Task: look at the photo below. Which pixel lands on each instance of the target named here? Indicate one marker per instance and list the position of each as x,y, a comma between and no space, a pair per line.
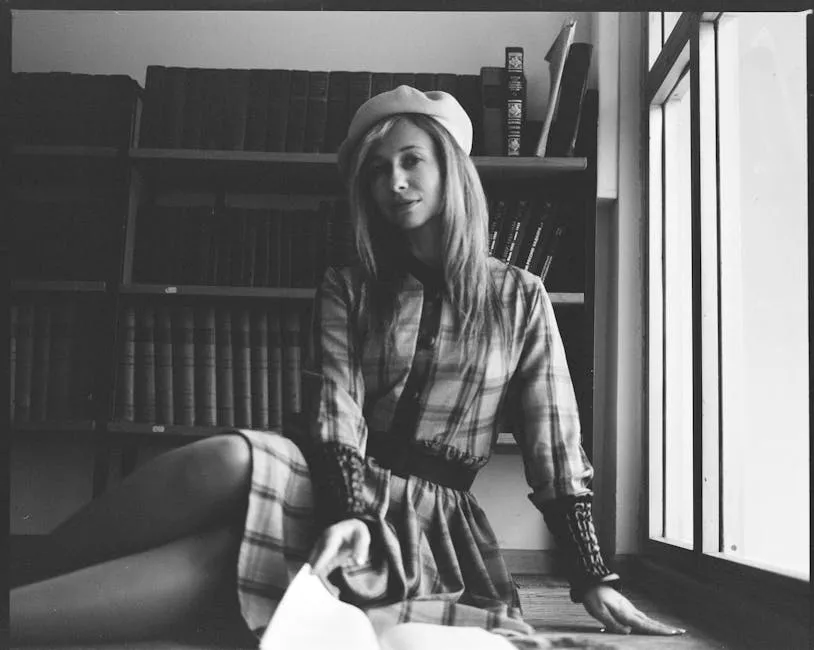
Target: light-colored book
310,617
556,62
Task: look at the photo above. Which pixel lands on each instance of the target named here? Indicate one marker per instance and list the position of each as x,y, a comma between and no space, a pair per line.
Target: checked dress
433,557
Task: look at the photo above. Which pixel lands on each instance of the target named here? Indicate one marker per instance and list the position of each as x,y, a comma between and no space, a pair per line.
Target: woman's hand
346,542
619,615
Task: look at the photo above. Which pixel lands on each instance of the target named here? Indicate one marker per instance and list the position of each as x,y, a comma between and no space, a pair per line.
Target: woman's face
405,177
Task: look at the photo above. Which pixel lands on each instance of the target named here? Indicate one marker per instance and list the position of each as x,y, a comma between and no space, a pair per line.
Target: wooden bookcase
130,177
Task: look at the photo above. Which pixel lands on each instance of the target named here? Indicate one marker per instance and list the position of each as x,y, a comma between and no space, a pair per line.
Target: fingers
639,623
601,612
347,542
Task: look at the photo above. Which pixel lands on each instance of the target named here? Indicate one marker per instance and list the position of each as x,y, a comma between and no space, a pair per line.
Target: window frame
691,43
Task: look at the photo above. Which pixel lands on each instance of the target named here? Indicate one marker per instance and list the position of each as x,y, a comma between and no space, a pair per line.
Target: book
534,234
359,90
468,95
205,375
62,363
215,108
515,99
278,109
311,615
12,359
275,367
173,107
144,375
553,245
292,364
241,341
316,120
447,82
338,117
498,216
260,369
380,82
403,79
562,137
254,138
235,111
165,411
125,403
551,218
520,220
493,123
183,365
42,362
224,367
425,81
151,132
556,61
25,362
297,111
194,108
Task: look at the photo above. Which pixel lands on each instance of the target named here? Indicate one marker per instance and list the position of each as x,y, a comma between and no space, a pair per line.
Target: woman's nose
398,178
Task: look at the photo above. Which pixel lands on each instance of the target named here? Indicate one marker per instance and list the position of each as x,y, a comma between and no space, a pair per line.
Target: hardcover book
515,99
556,62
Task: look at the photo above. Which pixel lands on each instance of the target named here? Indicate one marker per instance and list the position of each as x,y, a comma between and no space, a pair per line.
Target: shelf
70,164
293,172
163,430
53,427
559,298
287,293
59,286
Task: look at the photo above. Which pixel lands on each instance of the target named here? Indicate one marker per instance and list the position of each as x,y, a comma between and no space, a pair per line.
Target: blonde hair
468,282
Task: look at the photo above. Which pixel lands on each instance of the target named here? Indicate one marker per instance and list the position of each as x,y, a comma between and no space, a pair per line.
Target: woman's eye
411,161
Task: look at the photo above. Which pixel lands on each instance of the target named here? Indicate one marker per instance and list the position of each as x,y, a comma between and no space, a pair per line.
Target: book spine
556,238
359,90
276,245
278,109
254,138
286,238
260,369
174,107
565,124
447,83
275,367
25,362
250,248
515,99
152,131
216,86
263,250
194,108
469,96
498,217
236,108
381,82
297,111
145,365
42,362
12,359
338,118
317,112
292,365
183,365
63,325
403,79
205,374
125,404
493,84
241,336
518,233
225,368
165,412
534,238
425,81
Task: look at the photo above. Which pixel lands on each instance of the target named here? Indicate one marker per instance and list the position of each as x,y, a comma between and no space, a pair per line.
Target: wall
126,42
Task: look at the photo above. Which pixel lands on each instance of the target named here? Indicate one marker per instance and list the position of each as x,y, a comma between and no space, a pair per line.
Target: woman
417,347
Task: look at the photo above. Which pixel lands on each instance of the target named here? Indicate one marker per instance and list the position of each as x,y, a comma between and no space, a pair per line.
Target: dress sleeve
336,431
549,435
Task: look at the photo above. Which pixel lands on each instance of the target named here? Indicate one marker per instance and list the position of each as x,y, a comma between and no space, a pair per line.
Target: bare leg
177,494
132,597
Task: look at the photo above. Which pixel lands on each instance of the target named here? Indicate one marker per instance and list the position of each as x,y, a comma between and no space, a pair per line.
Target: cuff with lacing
571,523
337,474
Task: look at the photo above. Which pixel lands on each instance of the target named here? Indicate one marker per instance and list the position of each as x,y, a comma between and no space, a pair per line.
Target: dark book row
210,365
63,240
293,110
61,108
50,362
241,246
533,233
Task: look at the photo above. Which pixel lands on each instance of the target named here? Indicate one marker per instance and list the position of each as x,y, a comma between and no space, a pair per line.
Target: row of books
241,246
50,361
63,240
210,365
61,108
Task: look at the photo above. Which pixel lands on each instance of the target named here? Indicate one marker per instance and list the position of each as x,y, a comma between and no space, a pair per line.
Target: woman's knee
219,466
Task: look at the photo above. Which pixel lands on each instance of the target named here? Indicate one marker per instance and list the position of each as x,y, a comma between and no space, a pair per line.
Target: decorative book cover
515,99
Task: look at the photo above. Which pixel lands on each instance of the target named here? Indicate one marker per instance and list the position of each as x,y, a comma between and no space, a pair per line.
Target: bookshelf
132,180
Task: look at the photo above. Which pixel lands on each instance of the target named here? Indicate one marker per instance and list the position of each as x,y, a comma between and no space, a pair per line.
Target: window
728,306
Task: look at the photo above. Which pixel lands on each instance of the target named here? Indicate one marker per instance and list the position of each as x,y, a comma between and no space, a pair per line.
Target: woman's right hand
347,542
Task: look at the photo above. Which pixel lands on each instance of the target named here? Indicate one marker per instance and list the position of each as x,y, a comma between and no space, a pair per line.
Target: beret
441,106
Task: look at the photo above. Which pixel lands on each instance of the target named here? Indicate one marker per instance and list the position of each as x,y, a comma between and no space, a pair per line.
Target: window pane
678,349
670,20
764,291
654,37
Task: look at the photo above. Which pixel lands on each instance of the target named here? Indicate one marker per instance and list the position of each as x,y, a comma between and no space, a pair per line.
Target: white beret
439,105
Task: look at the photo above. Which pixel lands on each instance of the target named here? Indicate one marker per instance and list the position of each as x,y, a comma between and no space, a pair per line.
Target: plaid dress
434,557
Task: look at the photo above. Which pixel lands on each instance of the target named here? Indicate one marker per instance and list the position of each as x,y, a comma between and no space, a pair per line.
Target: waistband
405,459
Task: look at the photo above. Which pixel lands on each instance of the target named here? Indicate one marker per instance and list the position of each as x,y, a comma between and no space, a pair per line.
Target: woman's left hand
619,615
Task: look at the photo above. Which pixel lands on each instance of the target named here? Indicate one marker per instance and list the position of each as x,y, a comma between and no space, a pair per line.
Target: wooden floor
546,606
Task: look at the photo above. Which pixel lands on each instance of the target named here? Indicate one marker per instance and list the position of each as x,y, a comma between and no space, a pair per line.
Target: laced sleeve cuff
571,523
337,473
